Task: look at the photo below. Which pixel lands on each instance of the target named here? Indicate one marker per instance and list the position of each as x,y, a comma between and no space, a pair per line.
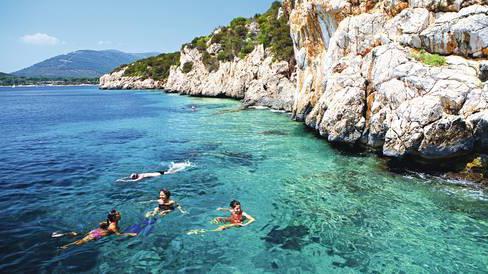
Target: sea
318,209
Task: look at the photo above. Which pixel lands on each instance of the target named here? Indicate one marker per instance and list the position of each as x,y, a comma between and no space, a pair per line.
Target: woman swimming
110,226
173,168
135,177
236,217
165,205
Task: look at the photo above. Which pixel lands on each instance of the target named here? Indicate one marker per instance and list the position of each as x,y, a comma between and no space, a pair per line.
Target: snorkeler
165,205
135,177
235,219
173,168
110,226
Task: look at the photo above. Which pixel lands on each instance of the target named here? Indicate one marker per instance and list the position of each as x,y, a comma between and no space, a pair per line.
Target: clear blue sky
31,31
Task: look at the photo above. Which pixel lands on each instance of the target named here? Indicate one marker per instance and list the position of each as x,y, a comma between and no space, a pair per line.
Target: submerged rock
291,237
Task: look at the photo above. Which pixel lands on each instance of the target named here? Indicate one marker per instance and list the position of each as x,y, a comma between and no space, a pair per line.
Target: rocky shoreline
358,79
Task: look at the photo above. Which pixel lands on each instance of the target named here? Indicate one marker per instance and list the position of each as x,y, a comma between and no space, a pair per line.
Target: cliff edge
408,78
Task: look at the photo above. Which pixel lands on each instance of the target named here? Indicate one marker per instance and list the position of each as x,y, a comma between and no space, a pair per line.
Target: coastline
49,85
470,168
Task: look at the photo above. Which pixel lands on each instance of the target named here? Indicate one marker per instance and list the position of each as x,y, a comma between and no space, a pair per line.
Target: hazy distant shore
49,85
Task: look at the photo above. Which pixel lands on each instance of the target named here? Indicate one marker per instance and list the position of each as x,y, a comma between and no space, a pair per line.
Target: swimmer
174,168
110,226
235,219
165,205
135,177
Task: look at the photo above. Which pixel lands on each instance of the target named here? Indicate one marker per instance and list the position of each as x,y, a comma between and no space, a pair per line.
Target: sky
32,31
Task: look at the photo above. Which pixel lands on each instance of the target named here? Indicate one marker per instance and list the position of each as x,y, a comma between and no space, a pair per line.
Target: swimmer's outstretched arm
178,206
128,179
223,209
118,233
147,202
249,219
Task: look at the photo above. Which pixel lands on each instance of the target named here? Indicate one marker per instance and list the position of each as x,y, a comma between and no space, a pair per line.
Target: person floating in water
235,219
174,168
135,177
165,205
110,226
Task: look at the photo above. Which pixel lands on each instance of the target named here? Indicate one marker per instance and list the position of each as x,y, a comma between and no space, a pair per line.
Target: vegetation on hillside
187,67
238,39
156,67
429,58
12,80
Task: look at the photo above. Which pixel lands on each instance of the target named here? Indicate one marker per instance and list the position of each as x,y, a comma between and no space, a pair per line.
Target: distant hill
5,75
81,64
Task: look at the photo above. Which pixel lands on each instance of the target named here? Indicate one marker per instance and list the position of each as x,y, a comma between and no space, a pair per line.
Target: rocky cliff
256,79
250,59
117,80
361,78
403,77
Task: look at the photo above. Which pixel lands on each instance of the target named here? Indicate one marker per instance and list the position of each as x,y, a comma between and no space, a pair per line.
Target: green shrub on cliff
237,40
156,67
211,63
187,67
429,58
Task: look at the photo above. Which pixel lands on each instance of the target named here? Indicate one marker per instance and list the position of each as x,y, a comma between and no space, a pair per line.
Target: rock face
116,80
256,79
358,78
359,83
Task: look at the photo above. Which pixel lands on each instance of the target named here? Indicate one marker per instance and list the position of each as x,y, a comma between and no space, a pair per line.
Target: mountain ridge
81,64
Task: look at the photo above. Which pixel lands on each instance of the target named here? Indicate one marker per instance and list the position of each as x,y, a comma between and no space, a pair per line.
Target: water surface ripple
317,210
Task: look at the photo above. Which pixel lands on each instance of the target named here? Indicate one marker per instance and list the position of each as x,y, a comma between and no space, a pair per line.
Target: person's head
113,216
235,205
164,194
134,176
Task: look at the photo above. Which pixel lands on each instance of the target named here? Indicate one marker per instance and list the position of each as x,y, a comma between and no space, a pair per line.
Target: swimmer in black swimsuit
173,168
135,177
165,205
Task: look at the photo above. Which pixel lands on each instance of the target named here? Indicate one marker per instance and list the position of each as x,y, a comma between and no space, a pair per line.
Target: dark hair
234,203
112,216
166,192
103,225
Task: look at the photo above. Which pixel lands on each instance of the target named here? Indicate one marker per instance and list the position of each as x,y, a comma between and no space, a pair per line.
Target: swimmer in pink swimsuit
110,226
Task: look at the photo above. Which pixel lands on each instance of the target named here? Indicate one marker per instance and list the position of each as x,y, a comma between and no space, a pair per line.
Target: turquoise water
318,210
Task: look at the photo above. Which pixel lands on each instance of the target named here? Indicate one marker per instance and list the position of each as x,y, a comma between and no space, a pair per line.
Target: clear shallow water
317,209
